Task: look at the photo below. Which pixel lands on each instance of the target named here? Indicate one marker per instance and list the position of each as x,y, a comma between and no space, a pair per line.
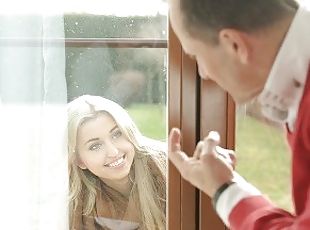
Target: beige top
114,211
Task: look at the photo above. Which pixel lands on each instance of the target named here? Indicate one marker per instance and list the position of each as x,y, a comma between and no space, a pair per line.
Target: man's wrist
219,191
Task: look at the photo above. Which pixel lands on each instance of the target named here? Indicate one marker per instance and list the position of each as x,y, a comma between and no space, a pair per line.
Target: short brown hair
210,16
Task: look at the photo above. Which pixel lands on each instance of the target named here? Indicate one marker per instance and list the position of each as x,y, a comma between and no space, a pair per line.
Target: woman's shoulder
157,159
157,162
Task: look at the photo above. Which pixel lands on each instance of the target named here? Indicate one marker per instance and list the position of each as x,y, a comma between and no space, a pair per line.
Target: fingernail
211,141
214,136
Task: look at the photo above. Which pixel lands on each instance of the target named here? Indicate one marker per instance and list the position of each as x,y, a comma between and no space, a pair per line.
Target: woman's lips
116,163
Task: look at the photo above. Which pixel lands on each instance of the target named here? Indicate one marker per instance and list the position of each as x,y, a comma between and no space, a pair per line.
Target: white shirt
284,88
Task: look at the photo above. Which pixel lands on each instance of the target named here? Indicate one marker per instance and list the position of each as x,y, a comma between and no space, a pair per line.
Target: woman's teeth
116,163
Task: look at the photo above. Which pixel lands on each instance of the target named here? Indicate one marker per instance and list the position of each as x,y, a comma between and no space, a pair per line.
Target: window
120,55
188,207
262,142
47,59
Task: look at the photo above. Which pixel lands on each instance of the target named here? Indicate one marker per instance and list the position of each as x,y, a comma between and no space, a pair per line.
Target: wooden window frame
196,107
87,42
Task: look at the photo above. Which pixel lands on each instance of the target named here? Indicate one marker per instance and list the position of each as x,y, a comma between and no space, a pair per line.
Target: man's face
212,59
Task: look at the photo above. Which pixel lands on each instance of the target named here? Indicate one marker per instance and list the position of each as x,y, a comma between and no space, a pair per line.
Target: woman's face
103,149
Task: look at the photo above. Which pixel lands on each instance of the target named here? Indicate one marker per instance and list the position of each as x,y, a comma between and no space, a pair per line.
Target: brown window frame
88,42
191,110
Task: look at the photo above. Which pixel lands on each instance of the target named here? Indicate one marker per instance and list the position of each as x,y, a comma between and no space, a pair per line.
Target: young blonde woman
117,175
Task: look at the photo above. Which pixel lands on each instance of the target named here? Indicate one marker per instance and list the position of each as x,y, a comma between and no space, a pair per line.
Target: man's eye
95,147
116,134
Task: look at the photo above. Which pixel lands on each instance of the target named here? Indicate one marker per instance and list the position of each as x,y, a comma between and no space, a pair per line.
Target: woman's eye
116,134
95,147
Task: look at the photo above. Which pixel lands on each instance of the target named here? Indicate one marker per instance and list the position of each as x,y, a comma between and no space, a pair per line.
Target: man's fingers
211,141
233,158
179,159
198,150
174,141
176,156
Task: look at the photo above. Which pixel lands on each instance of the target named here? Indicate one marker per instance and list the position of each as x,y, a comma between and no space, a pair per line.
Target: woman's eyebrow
97,138
115,127
92,139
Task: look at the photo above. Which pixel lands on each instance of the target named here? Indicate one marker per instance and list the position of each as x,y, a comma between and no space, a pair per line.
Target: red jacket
258,213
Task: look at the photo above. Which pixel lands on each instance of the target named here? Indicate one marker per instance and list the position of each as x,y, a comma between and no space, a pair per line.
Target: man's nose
202,73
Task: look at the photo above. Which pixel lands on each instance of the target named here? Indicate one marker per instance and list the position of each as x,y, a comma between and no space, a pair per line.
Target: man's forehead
173,3
174,8
177,23
176,17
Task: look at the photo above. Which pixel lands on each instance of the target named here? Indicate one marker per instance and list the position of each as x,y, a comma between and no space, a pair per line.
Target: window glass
118,51
113,26
263,156
116,19
53,52
135,78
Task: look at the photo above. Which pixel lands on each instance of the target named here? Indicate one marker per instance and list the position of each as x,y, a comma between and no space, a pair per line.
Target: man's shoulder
305,102
303,117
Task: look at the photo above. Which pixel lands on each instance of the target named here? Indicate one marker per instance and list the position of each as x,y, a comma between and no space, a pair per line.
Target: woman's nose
111,149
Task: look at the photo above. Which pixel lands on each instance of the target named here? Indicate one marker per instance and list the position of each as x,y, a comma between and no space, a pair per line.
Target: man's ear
236,43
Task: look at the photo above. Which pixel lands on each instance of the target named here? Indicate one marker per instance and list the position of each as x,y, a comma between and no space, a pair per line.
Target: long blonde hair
148,186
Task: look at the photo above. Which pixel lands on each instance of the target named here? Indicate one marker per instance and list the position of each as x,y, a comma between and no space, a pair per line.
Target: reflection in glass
261,143
109,25
117,175
134,78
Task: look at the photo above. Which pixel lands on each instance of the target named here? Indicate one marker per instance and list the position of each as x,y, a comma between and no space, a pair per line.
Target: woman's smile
119,162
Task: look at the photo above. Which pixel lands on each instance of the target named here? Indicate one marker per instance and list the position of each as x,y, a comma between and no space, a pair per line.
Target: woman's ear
236,43
80,163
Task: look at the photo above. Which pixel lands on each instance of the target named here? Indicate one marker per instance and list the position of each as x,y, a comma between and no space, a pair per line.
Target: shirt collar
285,84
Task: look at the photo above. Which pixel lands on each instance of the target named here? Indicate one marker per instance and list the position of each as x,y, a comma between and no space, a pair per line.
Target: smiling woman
117,175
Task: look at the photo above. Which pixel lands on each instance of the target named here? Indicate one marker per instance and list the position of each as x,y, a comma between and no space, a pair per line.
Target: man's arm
256,212
241,206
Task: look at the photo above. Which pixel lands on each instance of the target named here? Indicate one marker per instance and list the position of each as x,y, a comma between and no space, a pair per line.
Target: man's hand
209,168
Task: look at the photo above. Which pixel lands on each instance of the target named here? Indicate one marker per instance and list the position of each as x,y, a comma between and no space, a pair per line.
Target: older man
252,49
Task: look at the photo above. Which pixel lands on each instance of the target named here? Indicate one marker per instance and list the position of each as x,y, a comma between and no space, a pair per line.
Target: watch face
115,224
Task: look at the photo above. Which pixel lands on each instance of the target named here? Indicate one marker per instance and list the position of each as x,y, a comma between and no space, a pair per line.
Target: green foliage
263,158
150,119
